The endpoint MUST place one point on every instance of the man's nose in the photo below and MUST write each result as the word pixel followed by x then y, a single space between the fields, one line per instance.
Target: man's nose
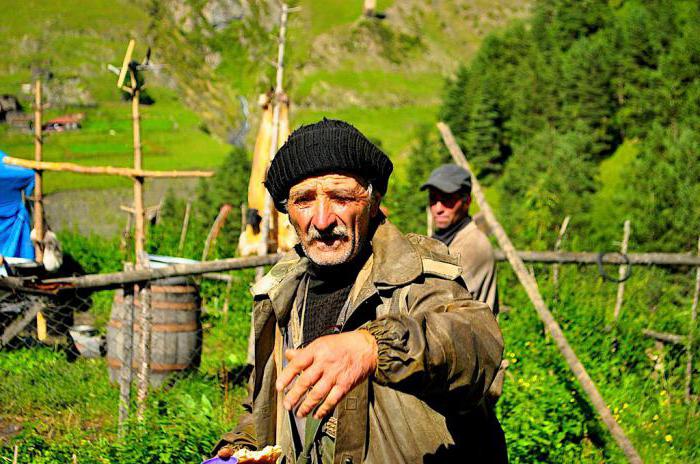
pixel 438 207
pixel 323 215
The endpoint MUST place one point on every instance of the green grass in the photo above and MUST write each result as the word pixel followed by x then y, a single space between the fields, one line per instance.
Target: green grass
pixel 326 14
pixel 171 139
pixel 394 127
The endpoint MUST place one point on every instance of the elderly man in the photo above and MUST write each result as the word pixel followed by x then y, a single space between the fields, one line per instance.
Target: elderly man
pixel 387 356
pixel 450 188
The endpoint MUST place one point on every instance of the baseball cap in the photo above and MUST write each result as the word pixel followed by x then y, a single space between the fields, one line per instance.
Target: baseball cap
pixel 449 178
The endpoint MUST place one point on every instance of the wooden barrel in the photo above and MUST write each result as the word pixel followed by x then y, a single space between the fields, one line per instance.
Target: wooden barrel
pixel 176 340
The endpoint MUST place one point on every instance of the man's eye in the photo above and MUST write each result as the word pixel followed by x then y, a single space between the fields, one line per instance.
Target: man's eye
pixel 301 200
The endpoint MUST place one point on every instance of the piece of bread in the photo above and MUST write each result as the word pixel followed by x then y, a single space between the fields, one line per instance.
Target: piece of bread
pixel 267 455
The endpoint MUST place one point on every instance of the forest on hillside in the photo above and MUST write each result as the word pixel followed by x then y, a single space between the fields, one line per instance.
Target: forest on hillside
pixel 550 103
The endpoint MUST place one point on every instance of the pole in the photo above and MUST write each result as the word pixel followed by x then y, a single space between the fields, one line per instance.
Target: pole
pixel 544 314
pixel 102 170
pixel 185 225
pixel 267 227
pixel 145 348
pixel 557 245
pixel 691 335
pixel 139 250
pixel 38 176
pixel 125 371
pixel 429 221
pixel 621 273
pixel 138 165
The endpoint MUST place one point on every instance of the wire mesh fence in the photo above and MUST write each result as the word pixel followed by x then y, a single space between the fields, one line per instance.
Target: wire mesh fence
pixel 196 330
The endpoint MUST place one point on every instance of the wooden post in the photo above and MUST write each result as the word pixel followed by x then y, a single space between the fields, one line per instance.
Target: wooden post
pixel 369 8
pixel 621 273
pixel 216 229
pixel 691 335
pixel 145 349
pixel 429 221
pixel 557 246
pixel 38 176
pixel 227 299
pixel 543 312
pixel 270 213
pixel 127 333
pixel 185 225
pixel 139 233
pixel 15 455
pixel 102 170
pixel 41 327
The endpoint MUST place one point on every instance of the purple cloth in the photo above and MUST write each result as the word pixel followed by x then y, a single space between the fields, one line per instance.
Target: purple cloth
pixel 14 218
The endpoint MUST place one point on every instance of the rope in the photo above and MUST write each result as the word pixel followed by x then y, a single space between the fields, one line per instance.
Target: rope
pixel 605 275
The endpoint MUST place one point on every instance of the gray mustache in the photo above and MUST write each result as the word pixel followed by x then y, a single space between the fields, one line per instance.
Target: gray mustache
pixel 337 232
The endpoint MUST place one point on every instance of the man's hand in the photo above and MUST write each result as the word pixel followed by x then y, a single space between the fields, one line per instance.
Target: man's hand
pixel 329 368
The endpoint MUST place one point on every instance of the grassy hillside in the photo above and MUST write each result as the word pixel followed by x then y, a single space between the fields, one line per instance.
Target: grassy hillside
pixel 385 75
pixel 73 44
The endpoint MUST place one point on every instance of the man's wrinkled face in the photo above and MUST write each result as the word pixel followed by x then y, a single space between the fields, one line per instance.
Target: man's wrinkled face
pixel 448 208
pixel 331 214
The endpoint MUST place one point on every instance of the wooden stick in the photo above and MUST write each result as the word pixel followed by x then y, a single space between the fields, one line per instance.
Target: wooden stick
pixel 279 347
pixel 588 258
pixel 139 232
pixel 557 245
pixel 665 337
pixel 127 330
pixel 227 299
pixel 20 323
pixel 544 314
pixel 38 177
pixel 269 212
pixel 691 335
pixel 369 8
pixel 429 221
pixel 15 455
pixel 216 229
pixel 102 170
pixel 144 374
pixel 183 231
pixel 116 279
pixel 621 273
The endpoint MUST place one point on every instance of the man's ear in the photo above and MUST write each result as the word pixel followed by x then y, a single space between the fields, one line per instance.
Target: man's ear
pixel 467 202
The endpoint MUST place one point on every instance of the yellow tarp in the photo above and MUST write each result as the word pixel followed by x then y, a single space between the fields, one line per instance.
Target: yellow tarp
pixel 282 235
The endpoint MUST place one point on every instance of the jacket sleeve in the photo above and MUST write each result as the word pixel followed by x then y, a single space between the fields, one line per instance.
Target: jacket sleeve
pixel 243 435
pixel 445 343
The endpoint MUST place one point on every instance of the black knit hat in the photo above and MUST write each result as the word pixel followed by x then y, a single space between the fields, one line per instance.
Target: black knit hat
pixel 326 146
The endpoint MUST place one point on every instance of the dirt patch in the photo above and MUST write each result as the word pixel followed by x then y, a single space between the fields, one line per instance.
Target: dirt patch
pixel 9 430
pixel 97 211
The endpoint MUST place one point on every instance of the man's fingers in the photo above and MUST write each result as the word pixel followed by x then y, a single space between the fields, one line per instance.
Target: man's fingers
pixel 290 354
pixel 336 394
pixel 300 386
pixel 301 360
pixel 317 393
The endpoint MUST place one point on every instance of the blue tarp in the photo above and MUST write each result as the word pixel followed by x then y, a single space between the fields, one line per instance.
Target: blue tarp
pixel 14 218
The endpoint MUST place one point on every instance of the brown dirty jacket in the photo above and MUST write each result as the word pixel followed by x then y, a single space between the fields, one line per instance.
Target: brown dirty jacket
pixel 439 351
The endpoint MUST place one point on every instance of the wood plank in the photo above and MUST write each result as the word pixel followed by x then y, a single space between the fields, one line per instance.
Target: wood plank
pixel 102 170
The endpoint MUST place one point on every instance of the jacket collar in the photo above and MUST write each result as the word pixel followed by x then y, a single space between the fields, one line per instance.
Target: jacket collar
pixel 394 262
